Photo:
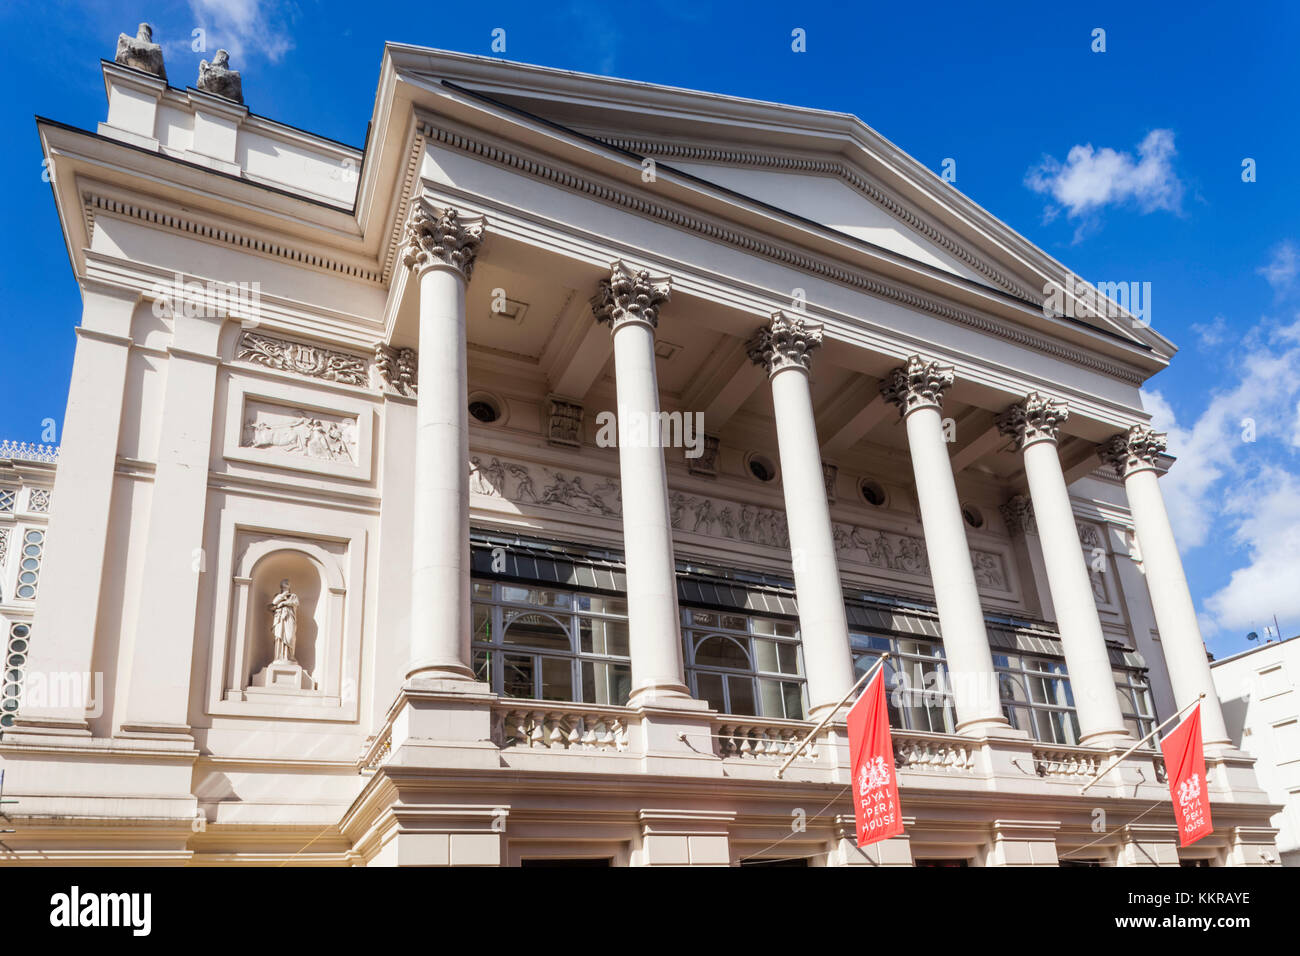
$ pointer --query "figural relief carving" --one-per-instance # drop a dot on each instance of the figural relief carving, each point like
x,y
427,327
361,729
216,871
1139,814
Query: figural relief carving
x,y
316,435
531,484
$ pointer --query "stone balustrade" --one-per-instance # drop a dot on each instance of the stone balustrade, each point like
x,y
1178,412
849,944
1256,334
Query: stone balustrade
x,y
1071,762
914,751
552,725
756,739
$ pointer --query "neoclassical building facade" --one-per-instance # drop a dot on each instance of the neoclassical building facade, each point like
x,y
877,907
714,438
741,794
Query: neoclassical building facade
x,y
522,488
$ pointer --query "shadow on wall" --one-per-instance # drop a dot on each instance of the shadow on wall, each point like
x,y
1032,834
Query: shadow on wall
x,y
1234,715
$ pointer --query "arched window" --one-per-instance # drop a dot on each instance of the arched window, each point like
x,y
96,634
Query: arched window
x,y
745,665
1037,698
920,696
544,644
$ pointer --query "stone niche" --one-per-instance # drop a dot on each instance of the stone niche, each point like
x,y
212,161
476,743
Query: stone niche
x,y
314,572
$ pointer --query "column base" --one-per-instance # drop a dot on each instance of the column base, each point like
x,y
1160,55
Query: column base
x,y
1108,740
991,727
440,671
665,695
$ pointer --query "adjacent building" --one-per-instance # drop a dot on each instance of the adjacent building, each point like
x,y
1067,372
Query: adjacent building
x,y
525,487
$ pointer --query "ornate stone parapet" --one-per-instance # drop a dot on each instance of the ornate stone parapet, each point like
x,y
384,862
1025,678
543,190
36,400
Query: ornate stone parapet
x,y
787,341
630,295
445,238
1037,418
1134,450
568,727
918,384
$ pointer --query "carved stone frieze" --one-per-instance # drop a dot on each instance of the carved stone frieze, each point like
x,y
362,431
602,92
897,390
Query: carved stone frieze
x,y
706,463
317,435
564,424
630,295
398,369
312,361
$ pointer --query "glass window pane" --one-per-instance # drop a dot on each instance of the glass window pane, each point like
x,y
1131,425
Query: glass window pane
x,y
788,657
483,666
518,680
536,630
603,637
481,589
709,687
482,623
770,698
868,642
793,699
721,652
704,619
601,605
606,683
765,655
741,690
557,678
735,622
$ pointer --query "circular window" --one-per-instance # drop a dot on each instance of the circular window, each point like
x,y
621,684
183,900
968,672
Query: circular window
x,y
973,516
484,411
872,493
762,467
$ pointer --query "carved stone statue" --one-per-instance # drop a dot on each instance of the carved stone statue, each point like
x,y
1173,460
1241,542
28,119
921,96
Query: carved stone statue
x,y
284,622
140,52
219,79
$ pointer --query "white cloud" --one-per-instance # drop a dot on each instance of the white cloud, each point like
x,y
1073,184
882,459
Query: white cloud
x,y
1092,178
1237,480
1282,268
1211,334
1267,512
244,28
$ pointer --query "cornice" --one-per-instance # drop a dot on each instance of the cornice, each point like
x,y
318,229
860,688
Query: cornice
x,y
759,245
845,173
95,204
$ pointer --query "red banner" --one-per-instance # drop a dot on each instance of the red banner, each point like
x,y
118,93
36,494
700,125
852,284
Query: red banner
x,y
1185,767
875,788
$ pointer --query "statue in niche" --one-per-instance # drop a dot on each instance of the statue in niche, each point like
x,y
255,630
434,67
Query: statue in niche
x,y
219,79
140,52
284,622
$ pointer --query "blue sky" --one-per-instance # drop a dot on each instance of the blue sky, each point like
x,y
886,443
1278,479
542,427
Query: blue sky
x,y
1124,164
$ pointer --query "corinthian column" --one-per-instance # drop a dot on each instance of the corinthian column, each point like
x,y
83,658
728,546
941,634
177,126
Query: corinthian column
x,y
1034,424
629,302
439,249
1133,455
917,389
783,348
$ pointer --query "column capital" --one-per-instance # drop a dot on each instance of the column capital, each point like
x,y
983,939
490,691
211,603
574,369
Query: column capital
x,y
1134,450
630,295
446,238
1018,513
785,342
918,384
1037,418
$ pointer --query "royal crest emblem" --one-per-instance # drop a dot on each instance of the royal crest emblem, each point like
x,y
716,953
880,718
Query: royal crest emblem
x,y
1189,789
873,775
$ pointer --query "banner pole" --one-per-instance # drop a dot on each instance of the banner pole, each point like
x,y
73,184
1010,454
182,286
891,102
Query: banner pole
x,y
1118,760
831,713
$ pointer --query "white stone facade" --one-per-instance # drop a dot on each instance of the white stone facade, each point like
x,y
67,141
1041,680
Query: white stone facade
x,y
391,379
1261,706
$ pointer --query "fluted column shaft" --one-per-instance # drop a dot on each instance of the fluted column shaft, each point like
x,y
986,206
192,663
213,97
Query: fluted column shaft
x,y
1035,424
1134,457
628,301
782,348
917,389
440,249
